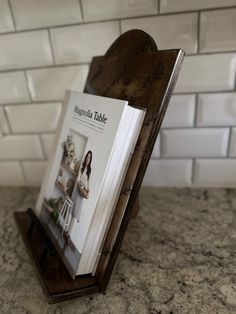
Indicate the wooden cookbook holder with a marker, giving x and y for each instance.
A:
(134, 70)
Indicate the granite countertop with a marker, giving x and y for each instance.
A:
(178, 256)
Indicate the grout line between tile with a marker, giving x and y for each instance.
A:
(29, 103)
(12, 15)
(206, 92)
(30, 133)
(193, 170)
(209, 53)
(161, 143)
(23, 171)
(160, 134)
(198, 32)
(235, 81)
(27, 86)
(7, 120)
(153, 158)
(120, 28)
(49, 101)
(61, 26)
(42, 146)
(195, 111)
(51, 46)
(194, 11)
(158, 7)
(22, 160)
(160, 139)
(194, 157)
(81, 9)
(197, 127)
(45, 67)
(229, 142)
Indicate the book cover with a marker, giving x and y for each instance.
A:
(71, 189)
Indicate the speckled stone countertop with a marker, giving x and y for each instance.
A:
(178, 256)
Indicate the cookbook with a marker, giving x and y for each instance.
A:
(93, 146)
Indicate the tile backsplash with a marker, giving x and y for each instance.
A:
(210, 72)
(46, 47)
(30, 14)
(25, 50)
(169, 37)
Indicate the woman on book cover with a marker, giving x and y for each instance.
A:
(83, 184)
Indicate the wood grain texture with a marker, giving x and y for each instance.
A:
(134, 70)
(55, 280)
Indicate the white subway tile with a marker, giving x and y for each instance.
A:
(111, 9)
(6, 22)
(207, 73)
(34, 117)
(81, 43)
(232, 151)
(50, 84)
(218, 30)
(18, 147)
(168, 173)
(180, 111)
(181, 34)
(31, 14)
(204, 142)
(216, 109)
(25, 50)
(157, 148)
(48, 143)
(34, 172)
(11, 174)
(188, 5)
(215, 172)
(3, 122)
(13, 87)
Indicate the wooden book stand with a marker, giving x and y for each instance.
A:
(134, 70)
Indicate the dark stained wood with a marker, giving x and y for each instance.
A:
(134, 70)
(56, 281)
(135, 209)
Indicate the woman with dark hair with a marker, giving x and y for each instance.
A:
(85, 173)
(83, 184)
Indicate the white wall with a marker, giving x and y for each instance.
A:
(46, 46)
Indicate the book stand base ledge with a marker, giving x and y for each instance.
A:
(56, 281)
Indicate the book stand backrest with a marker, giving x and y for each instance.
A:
(134, 70)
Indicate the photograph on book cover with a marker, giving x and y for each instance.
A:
(63, 203)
